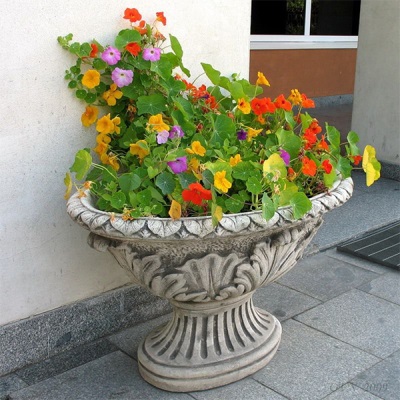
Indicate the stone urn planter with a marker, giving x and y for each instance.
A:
(209, 275)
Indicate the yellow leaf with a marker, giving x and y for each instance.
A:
(217, 214)
(371, 165)
(275, 165)
(68, 184)
(369, 153)
(175, 210)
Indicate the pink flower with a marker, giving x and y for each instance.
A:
(179, 165)
(175, 132)
(111, 55)
(151, 54)
(162, 137)
(122, 77)
(285, 156)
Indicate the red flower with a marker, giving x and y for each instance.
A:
(261, 106)
(309, 167)
(141, 28)
(323, 144)
(94, 51)
(161, 17)
(310, 139)
(133, 48)
(196, 194)
(281, 102)
(307, 103)
(327, 166)
(132, 14)
(357, 159)
(314, 127)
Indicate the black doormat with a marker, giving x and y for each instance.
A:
(381, 246)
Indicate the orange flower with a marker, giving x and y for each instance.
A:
(196, 194)
(133, 48)
(309, 167)
(94, 51)
(307, 103)
(327, 166)
(281, 102)
(357, 159)
(91, 78)
(261, 106)
(141, 28)
(161, 17)
(132, 14)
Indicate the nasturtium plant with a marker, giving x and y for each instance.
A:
(164, 146)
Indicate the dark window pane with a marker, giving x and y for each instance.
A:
(277, 17)
(335, 17)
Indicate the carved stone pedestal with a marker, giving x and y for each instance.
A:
(209, 274)
(209, 344)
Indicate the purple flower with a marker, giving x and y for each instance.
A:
(162, 137)
(241, 135)
(179, 165)
(285, 156)
(151, 54)
(122, 77)
(111, 55)
(175, 132)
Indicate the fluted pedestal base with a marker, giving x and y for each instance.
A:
(210, 344)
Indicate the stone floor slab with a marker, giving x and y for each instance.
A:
(382, 379)
(351, 392)
(357, 261)
(129, 339)
(246, 389)
(323, 277)
(360, 319)
(283, 302)
(10, 383)
(309, 363)
(65, 361)
(114, 376)
(386, 287)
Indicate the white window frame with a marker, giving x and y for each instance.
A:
(306, 41)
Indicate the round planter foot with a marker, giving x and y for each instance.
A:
(209, 344)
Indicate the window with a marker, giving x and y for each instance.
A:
(307, 23)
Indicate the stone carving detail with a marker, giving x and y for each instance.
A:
(209, 275)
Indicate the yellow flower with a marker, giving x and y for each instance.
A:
(371, 165)
(103, 138)
(295, 97)
(111, 96)
(252, 133)
(105, 125)
(89, 116)
(244, 106)
(101, 148)
(197, 148)
(110, 159)
(116, 121)
(220, 181)
(194, 165)
(262, 80)
(235, 160)
(156, 123)
(91, 78)
(140, 149)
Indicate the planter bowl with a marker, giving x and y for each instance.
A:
(209, 275)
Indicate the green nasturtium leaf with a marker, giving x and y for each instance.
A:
(301, 204)
(166, 182)
(118, 200)
(152, 104)
(212, 74)
(333, 136)
(253, 185)
(126, 36)
(129, 182)
(234, 204)
(268, 207)
(82, 163)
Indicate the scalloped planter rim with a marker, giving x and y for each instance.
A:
(209, 275)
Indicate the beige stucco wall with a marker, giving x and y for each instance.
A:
(376, 115)
(44, 260)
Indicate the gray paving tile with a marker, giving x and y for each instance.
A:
(309, 364)
(247, 389)
(360, 319)
(282, 301)
(343, 223)
(114, 376)
(387, 287)
(129, 339)
(382, 379)
(65, 361)
(357, 261)
(350, 392)
(323, 277)
(382, 184)
(10, 383)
